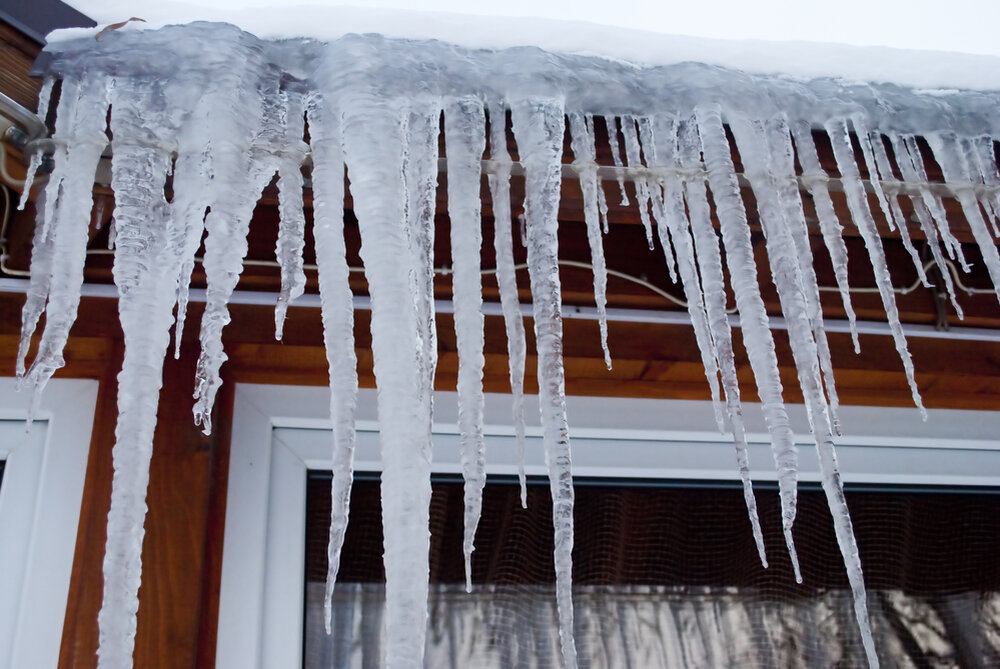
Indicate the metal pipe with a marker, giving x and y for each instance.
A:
(363, 303)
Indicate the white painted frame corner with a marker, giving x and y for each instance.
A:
(40, 500)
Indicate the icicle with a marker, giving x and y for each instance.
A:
(753, 317)
(817, 181)
(292, 223)
(241, 148)
(37, 154)
(933, 203)
(465, 130)
(655, 192)
(145, 273)
(857, 202)
(633, 153)
(672, 219)
(585, 162)
(909, 172)
(948, 154)
(611, 123)
(538, 128)
(338, 324)
(759, 155)
(713, 287)
(885, 169)
(985, 159)
(874, 178)
(507, 280)
(782, 169)
(80, 128)
(38, 285)
(374, 141)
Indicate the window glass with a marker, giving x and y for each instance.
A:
(667, 575)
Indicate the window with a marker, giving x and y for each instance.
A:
(40, 496)
(668, 446)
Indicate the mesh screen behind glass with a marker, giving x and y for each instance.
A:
(668, 576)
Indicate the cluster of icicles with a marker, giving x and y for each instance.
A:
(222, 131)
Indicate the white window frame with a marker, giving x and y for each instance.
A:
(40, 499)
(282, 432)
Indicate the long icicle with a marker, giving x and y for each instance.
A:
(817, 182)
(503, 245)
(465, 132)
(949, 155)
(538, 129)
(145, 272)
(764, 159)
(582, 144)
(674, 230)
(757, 336)
(706, 244)
(782, 168)
(857, 202)
(374, 151)
(338, 325)
(291, 217)
(910, 173)
(80, 127)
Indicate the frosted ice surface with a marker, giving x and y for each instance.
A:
(219, 113)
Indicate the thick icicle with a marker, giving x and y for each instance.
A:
(857, 202)
(241, 146)
(910, 174)
(538, 129)
(633, 154)
(753, 317)
(611, 123)
(706, 243)
(674, 229)
(80, 128)
(465, 131)
(145, 272)
(817, 181)
(292, 221)
(785, 187)
(503, 245)
(762, 159)
(338, 323)
(585, 161)
(949, 155)
(374, 141)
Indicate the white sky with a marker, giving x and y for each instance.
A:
(967, 26)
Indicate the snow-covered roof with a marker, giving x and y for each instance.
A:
(931, 69)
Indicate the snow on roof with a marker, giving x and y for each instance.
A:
(933, 70)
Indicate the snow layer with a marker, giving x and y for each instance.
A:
(800, 59)
(221, 112)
